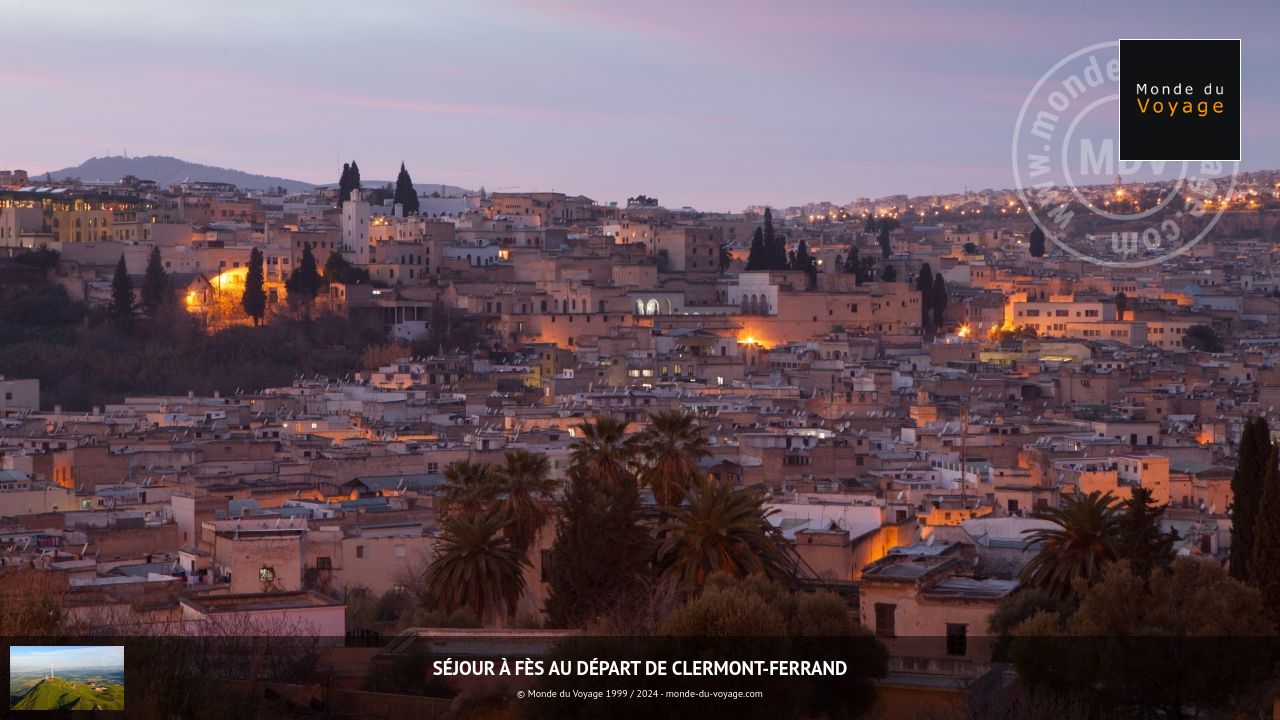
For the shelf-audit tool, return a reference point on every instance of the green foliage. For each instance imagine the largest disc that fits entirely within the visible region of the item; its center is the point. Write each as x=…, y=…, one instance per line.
x=885, y=248
x=121, y=307
x=890, y=273
x=476, y=567
x=720, y=529
x=62, y=694
x=406, y=196
x=938, y=300
x=1265, y=567
x=1035, y=242
x=768, y=249
x=469, y=489
x=1083, y=541
x=349, y=181
x=337, y=269
x=671, y=447
x=970, y=249
x=1182, y=638
x=526, y=496
x=156, y=292
x=39, y=257
x=1246, y=488
x=169, y=354
x=1203, y=338
x=254, y=299
x=1140, y=540
x=304, y=283
x=602, y=554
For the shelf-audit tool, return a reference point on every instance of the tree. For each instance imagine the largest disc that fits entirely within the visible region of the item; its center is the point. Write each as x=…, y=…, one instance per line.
x=476, y=567
x=304, y=282
x=1083, y=541
x=349, y=181
x=720, y=529
x=889, y=274
x=121, y=307
x=671, y=448
x=469, y=488
x=1140, y=540
x=254, y=300
x=526, y=496
x=155, y=284
x=1266, y=541
x=406, y=196
x=885, y=248
x=756, y=258
x=337, y=269
x=970, y=249
x=1122, y=302
x=1035, y=242
x=924, y=285
x=775, y=246
x=1190, y=637
x=1202, y=337
x=938, y=299
x=726, y=258
x=602, y=555
x=602, y=455
x=1246, y=489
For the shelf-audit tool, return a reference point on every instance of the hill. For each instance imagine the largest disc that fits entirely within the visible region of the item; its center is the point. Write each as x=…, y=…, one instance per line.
x=60, y=694
x=170, y=171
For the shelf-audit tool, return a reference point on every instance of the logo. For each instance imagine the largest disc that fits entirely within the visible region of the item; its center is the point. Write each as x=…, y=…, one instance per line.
x=1085, y=199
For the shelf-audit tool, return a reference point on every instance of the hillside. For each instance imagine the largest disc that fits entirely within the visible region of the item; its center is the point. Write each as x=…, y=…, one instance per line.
x=169, y=171
x=60, y=694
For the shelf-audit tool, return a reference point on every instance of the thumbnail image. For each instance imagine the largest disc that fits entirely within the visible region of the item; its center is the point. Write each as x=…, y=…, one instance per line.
x=66, y=677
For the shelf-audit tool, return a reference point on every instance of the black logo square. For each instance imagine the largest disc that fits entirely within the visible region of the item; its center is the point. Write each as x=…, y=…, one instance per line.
x=1180, y=100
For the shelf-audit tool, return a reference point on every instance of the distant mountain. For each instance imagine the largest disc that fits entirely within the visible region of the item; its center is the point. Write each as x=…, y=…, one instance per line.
x=61, y=694
x=168, y=171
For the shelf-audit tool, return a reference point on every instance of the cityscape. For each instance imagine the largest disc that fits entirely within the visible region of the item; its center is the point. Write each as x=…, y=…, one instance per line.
x=426, y=433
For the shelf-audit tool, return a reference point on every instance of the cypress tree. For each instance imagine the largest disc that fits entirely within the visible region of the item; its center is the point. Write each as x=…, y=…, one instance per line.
x=939, y=300
x=121, y=307
x=344, y=183
x=254, y=300
x=889, y=274
x=1246, y=488
x=885, y=249
x=155, y=284
x=1036, y=242
x=304, y=282
x=756, y=259
x=775, y=247
x=1265, y=564
x=924, y=285
x=355, y=177
x=601, y=555
x=405, y=195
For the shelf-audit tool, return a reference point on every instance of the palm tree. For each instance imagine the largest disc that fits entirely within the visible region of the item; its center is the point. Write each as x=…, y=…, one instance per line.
x=720, y=529
x=1083, y=541
x=602, y=454
x=526, y=495
x=476, y=566
x=671, y=447
x=469, y=488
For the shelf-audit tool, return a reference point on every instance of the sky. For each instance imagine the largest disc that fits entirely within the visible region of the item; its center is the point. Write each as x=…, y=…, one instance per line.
x=707, y=103
x=64, y=657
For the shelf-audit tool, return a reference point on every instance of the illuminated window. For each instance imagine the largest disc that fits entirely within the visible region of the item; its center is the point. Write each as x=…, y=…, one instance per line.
x=267, y=574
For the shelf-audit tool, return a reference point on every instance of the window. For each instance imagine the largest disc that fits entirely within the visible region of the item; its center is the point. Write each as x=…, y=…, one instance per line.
x=267, y=574
x=360, y=551
x=957, y=639
x=399, y=551
x=324, y=563
x=884, y=619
